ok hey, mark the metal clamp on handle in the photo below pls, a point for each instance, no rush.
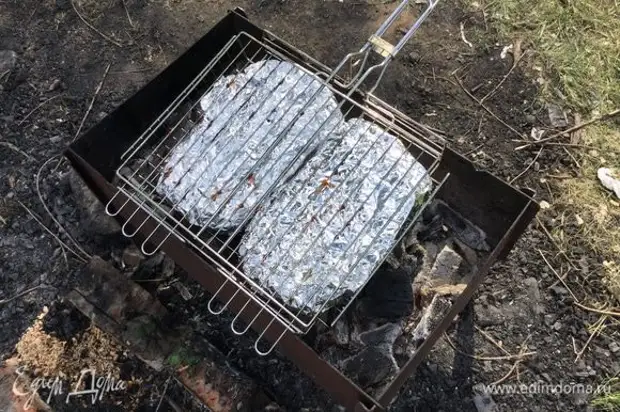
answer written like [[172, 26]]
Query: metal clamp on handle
[[382, 47], [386, 49]]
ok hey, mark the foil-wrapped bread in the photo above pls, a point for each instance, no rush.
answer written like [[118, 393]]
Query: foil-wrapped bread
[[327, 230], [256, 130]]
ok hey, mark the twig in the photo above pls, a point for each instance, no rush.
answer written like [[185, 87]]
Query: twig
[[599, 311], [550, 237], [4, 74], [571, 129], [163, 394], [492, 340], [3, 220], [127, 12], [85, 256], [597, 329], [37, 108], [92, 102], [507, 375], [467, 42], [471, 96], [59, 240], [528, 166], [17, 149], [558, 275], [515, 366], [487, 358], [25, 292], [105, 36], [514, 66]]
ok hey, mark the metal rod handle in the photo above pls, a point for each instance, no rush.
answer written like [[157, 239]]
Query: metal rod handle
[[384, 48]]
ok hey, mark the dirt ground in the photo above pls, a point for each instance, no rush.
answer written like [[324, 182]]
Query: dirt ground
[[61, 62]]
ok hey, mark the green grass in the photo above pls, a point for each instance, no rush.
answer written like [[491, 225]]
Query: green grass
[[609, 402], [577, 52], [577, 40]]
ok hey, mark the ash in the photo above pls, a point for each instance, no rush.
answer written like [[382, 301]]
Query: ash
[[405, 300]]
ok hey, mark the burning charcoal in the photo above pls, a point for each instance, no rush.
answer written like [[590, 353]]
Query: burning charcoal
[[132, 256], [341, 331], [464, 230], [384, 335], [446, 266], [389, 295], [371, 366], [431, 317]]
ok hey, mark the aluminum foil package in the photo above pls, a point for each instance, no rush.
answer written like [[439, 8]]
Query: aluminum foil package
[[258, 126], [333, 224]]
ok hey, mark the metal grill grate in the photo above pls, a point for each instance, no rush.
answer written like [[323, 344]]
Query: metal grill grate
[[182, 127]]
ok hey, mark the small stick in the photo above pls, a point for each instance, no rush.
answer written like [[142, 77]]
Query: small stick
[[514, 66], [25, 292], [90, 107], [59, 240], [471, 96], [597, 329], [487, 358], [128, 16], [528, 166], [558, 276], [62, 229], [92, 102], [467, 42], [550, 237], [3, 220], [571, 129], [492, 340], [37, 108], [105, 36], [599, 311], [507, 375], [163, 394], [17, 149]]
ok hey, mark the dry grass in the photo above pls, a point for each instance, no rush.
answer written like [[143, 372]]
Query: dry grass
[[46, 355]]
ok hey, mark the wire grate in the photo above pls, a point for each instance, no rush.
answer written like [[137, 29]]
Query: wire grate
[[298, 121]]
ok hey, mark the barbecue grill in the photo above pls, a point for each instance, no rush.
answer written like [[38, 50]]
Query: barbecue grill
[[207, 161]]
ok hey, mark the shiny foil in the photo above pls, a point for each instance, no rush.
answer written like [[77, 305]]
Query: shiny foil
[[331, 226], [247, 141]]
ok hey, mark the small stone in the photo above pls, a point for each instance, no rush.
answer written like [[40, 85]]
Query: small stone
[[557, 325], [55, 139], [534, 295], [489, 316], [414, 57], [8, 60], [56, 83], [530, 119], [549, 319], [132, 256], [484, 403], [614, 347]]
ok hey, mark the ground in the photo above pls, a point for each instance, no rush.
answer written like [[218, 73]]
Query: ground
[[74, 54]]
